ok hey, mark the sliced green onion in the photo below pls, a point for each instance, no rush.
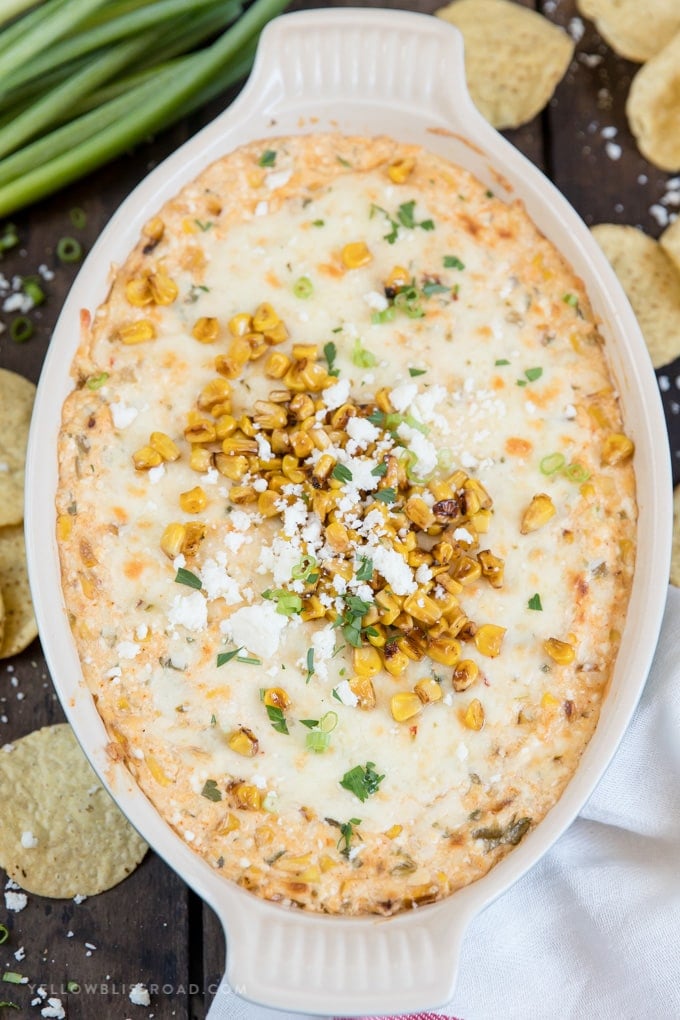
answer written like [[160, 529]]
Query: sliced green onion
[[195, 78], [445, 460], [411, 460], [328, 722], [407, 301], [21, 329], [386, 315], [9, 238], [78, 217], [552, 463], [304, 568], [287, 602], [33, 290], [317, 741], [12, 978], [303, 288], [4, 934], [576, 472], [361, 357], [95, 382], [69, 250]]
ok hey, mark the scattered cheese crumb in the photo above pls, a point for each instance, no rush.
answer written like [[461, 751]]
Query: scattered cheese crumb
[[15, 901], [139, 995]]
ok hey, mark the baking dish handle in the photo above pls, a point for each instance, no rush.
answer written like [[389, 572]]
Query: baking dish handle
[[324, 966], [323, 60]]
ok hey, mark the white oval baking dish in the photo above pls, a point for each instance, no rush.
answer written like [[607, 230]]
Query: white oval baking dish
[[363, 71]]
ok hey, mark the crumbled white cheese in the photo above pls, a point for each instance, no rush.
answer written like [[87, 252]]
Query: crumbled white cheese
[[425, 452], [277, 179], [156, 473], [15, 901], [240, 520], [257, 628], [362, 431], [374, 299], [190, 611], [264, 450], [346, 694], [127, 649], [28, 840], [396, 571], [323, 643], [139, 995], [54, 1009], [336, 395], [217, 582], [122, 414], [401, 397]]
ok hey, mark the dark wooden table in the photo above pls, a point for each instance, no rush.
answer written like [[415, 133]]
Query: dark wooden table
[[152, 928]]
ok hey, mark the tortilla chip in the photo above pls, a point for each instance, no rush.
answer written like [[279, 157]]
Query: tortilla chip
[[61, 834], [2, 618], [16, 403], [633, 30], [653, 107], [670, 242], [675, 554], [20, 626], [652, 284], [514, 58]]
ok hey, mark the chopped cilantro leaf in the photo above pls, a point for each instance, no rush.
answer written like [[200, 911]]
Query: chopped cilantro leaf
[[435, 288], [268, 158], [277, 719], [453, 262], [413, 372], [224, 657], [211, 790], [570, 299], [387, 495], [310, 665], [184, 576], [347, 831], [533, 374], [365, 571], [318, 223], [406, 214], [362, 780], [341, 473], [380, 470], [330, 353], [501, 361], [535, 602]]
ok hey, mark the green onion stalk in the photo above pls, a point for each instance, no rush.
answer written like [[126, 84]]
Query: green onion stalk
[[49, 161]]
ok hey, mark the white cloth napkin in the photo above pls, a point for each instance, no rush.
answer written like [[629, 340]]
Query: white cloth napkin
[[593, 930]]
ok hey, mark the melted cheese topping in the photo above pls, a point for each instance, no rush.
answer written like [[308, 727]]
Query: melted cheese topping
[[467, 352]]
